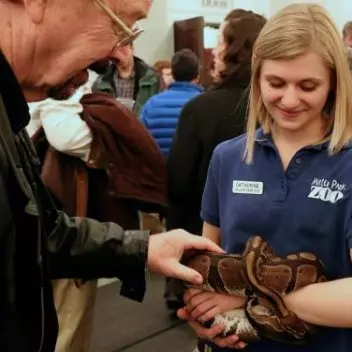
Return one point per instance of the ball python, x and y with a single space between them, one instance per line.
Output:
265 278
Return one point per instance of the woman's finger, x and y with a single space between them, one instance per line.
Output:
228 341
202 309
183 314
190 293
197 300
240 345
206 333
209 314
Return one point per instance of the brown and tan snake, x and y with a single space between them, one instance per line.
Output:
265 279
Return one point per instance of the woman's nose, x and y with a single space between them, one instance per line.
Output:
290 98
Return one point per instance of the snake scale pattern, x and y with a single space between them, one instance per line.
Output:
265 278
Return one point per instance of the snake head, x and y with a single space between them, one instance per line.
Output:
254 242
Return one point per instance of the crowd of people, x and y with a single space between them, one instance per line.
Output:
111 167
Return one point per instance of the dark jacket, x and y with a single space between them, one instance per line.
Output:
38 243
147 83
161 112
209 119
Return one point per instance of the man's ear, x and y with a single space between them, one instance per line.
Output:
35 9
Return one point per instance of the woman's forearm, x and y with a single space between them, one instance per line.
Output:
326 304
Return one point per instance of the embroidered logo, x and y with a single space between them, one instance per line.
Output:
327 191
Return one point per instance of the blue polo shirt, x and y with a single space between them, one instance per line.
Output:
308 207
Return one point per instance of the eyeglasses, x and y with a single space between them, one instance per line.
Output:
126 35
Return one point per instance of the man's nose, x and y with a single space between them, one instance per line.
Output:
115 53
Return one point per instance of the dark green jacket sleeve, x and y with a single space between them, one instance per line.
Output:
87 249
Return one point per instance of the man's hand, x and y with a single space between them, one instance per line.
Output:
166 250
203 306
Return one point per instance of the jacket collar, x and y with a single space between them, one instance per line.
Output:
14 100
183 85
239 80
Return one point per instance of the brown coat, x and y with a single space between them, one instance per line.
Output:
125 171
64 175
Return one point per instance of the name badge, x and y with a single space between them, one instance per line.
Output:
247 187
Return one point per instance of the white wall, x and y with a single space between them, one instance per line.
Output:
260 6
341 11
157 41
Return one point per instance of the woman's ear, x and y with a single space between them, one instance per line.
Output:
35 9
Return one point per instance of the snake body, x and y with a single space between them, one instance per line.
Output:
265 278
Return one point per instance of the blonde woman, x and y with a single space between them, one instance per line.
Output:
290 180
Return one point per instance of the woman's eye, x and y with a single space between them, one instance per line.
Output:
308 88
276 84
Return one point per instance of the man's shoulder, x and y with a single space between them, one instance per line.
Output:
157 104
143 70
156 99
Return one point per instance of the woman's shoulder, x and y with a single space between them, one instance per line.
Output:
233 148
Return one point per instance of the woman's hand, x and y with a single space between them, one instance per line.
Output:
203 306
212 334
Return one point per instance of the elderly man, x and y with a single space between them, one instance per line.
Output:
45 44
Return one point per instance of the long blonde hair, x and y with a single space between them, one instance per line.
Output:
296 30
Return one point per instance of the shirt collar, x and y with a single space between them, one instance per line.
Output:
12 96
130 77
263 138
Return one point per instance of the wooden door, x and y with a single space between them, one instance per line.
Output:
188 34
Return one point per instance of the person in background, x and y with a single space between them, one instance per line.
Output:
349 58
161 112
347 34
132 82
298 153
163 67
129 79
40 54
209 119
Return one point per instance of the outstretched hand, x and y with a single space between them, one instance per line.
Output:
166 250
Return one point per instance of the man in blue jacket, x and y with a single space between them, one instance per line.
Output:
161 112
